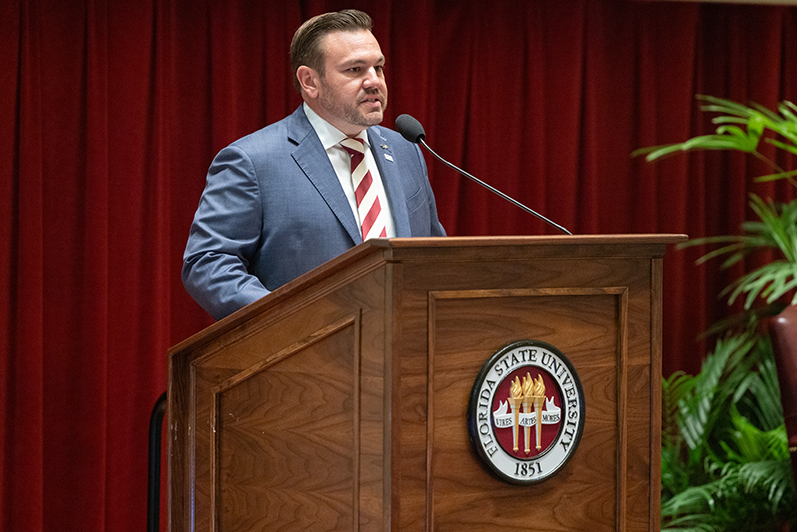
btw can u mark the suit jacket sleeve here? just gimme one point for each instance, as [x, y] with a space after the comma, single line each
[224, 237]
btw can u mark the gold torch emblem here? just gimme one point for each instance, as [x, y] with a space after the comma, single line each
[530, 395]
[515, 400]
[533, 395]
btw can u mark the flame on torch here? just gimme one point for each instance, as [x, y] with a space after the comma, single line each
[539, 387]
[516, 390]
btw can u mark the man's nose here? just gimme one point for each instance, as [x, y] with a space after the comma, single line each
[372, 78]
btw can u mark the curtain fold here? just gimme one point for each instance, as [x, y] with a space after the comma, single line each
[23, 268]
[112, 112]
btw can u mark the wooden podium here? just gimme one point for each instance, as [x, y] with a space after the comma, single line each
[339, 401]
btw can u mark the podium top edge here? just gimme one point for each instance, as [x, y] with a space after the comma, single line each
[457, 241]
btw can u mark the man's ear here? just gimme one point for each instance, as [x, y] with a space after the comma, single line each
[308, 80]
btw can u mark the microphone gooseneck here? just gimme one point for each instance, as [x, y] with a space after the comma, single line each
[412, 130]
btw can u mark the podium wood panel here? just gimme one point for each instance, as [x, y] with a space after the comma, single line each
[339, 401]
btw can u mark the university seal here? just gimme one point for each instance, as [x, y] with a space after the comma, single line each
[526, 412]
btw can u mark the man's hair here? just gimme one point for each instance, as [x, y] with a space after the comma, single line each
[306, 46]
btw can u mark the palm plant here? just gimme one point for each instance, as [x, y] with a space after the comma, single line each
[725, 461]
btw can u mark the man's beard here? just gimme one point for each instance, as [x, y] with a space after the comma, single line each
[351, 113]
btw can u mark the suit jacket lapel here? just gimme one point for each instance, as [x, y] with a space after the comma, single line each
[391, 179]
[314, 162]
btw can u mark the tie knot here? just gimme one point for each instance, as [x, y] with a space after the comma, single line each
[353, 145]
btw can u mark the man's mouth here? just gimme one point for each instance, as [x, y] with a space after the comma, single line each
[372, 100]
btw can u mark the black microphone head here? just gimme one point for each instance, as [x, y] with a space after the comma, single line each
[410, 129]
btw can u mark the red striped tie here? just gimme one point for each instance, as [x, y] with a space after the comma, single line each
[372, 225]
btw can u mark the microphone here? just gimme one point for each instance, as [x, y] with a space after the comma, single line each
[412, 130]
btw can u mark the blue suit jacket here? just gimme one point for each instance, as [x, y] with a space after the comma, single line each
[273, 209]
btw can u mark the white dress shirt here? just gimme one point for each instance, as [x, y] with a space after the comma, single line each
[341, 161]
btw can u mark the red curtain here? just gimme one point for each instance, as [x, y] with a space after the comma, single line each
[111, 111]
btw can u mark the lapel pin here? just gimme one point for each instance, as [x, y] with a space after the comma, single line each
[389, 157]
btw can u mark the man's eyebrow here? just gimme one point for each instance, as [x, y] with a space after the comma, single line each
[360, 61]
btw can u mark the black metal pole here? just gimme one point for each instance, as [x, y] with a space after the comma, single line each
[154, 480]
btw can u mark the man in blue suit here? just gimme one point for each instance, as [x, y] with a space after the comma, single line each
[281, 201]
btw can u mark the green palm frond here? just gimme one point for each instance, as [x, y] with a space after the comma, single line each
[747, 443]
[774, 477]
[692, 502]
[768, 482]
[765, 399]
[740, 128]
[769, 282]
[723, 374]
[675, 389]
[776, 230]
[691, 523]
[698, 409]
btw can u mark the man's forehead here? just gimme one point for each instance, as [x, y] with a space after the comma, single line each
[352, 46]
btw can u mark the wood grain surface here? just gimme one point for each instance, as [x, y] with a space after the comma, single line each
[339, 402]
